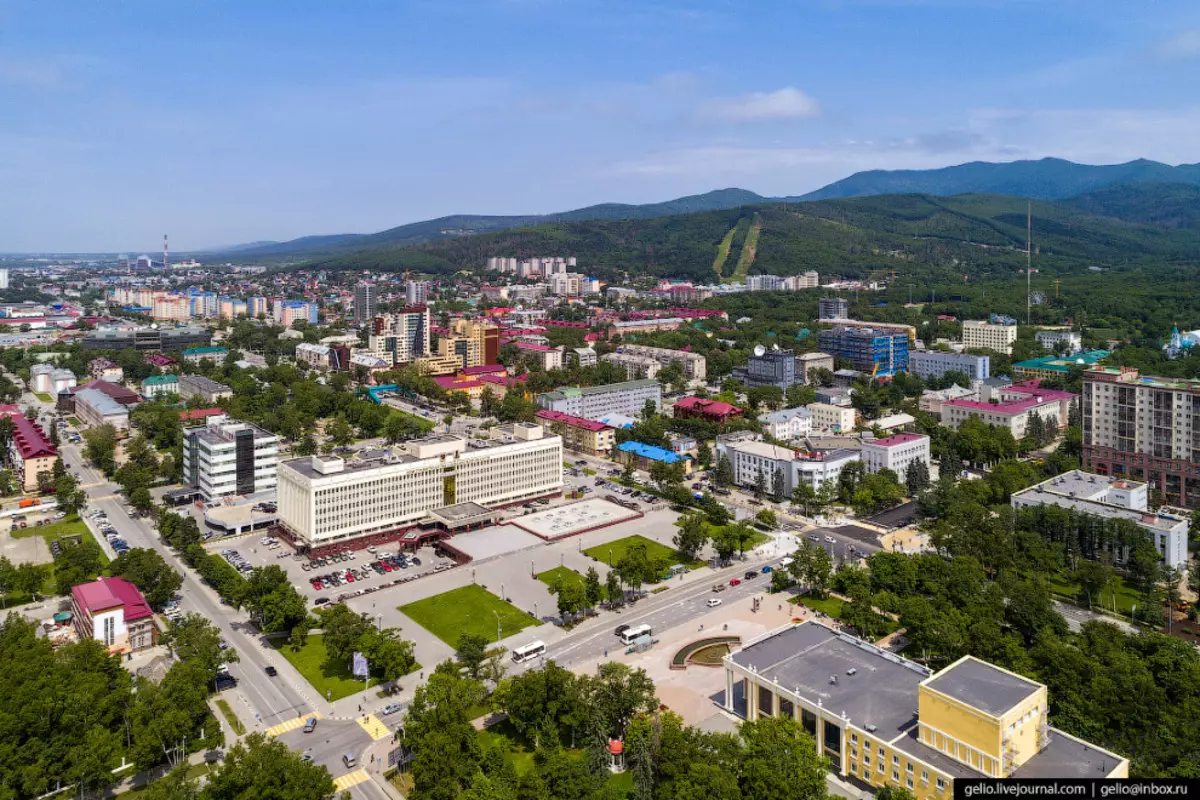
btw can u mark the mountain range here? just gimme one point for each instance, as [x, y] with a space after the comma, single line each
[1141, 191]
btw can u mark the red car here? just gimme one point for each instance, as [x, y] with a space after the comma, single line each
[317, 585]
[735, 582]
[350, 577]
[386, 566]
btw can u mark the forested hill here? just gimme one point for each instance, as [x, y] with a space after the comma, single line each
[1046, 179]
[971, 234]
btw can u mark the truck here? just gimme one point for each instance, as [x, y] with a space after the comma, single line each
[28, 502]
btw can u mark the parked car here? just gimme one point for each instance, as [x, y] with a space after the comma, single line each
[620, 629]
[831, 540]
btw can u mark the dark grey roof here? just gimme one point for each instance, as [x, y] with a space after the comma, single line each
[982, 686]
[803, 659]
[911, 744]
[1064, 757]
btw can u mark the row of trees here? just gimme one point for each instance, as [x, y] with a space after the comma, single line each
[346, 632]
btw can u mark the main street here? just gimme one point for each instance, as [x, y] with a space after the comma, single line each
[264, 700]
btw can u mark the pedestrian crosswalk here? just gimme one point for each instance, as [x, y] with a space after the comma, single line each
[351, 779]
[291, 724]
[374, 728]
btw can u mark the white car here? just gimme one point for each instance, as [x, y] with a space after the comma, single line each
[713, 602]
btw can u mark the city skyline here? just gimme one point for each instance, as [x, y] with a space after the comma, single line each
[230, 124]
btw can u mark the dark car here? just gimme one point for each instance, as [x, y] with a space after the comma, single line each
[224, 681]
[750, 574]
[621, 629]
[272, 671]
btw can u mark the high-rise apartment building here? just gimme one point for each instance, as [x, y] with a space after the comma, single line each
[476, 342]
[403, 335]
[871, 350]
[1144, 428]
[416, 292]
[365, 297]
[997, 335]
[226, 457]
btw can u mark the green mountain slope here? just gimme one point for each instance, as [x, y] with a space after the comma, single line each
[967, 234]
[1046, 179]
[1167, 205]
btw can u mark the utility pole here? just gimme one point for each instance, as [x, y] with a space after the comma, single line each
[1028, 260]
[910, 288]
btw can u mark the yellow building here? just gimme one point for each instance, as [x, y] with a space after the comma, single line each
[883, 720]
[475, 342]
[580, 435]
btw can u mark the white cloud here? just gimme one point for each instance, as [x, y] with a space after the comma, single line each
[1182, 45]
[786, 103]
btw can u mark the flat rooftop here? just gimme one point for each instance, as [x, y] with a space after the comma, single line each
[575, 518]
[806, 658]
[1068, 757]
[462, 512]
[983, 686]
[1147, 519]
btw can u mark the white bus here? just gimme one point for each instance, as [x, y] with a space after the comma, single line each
[631, 635]
[529, 651]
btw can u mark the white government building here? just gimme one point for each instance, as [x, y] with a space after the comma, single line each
[227, 457]
[326, 500]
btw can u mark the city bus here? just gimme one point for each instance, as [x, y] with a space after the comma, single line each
[529, 651]
[631, 635]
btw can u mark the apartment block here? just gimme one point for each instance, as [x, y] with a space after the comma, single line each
[366, 295]
[768, 368]
[695, 368]
[931, 364]
[227, 457]
[972, 719]
[1144, 428]
[416, 292]
[989, 335]
[379, 495]
[807, 362]
[1071, 341]
[1012, 407]
[751, 458]
[828, 417]
[578, 434]
[1113, 498]
[30, 452]
[205, 388]
[833, 308]
[594, 402]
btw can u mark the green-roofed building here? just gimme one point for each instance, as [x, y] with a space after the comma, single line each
[160, 384]
[195, 354]
[1051, 366]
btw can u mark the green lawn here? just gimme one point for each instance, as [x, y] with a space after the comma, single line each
[75, 422]
[832, 607]
[45, 398]
[310, 662]
[230, 717]
[470, 609]
[613, 552]
[520, 754]
[70, 526]
[551, 577]
[1125, 595]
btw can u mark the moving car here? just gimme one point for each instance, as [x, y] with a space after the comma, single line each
[271, 671]
[391, 708]
[718, 587]
[713, 602]
[735, 582]
[751, 574]
[310, 725]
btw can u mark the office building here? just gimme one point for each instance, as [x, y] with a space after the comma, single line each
[1143, 428]
[705, 409]
[694, 366]
[895, 453]
[94, 407]
[206, 389]
[594, 402]
[403, 336]
[788, 424]
[416, 292]
[147, 339]
[579, 435]
[226, 457]
[1113, 498]
[882, 719]
[833, 418]
[30, 452]
[750, 458]
[49, 379]
[932, 400]
[997, 335]
[933, 364]
[379, 495]
[768, 368]
[1065, 341]
[113, 612]
[1012, 407]
[1057, 366]
[365, 297]
[197, 354]
[833, 308]
[807, 362]
[874, 351]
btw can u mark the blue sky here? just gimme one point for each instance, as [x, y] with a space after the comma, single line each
[226, 121]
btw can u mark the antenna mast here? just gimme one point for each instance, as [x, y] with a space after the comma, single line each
[1028, 260]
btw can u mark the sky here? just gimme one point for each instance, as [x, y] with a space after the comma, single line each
[228, 121]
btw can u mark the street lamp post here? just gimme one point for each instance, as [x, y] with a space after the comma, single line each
[497, 613]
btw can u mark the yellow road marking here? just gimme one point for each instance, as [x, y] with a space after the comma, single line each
[291, 724]
[351, 779]
[374, 728]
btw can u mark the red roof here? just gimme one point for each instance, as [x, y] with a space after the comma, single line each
[31, 440]
[485, 369]
[1013, 407]
[119, 393]
[707, 407]
[537, 348]
[199, 413]
[104, 594]
[1033, 387]
[899, 438]
[574, 422]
